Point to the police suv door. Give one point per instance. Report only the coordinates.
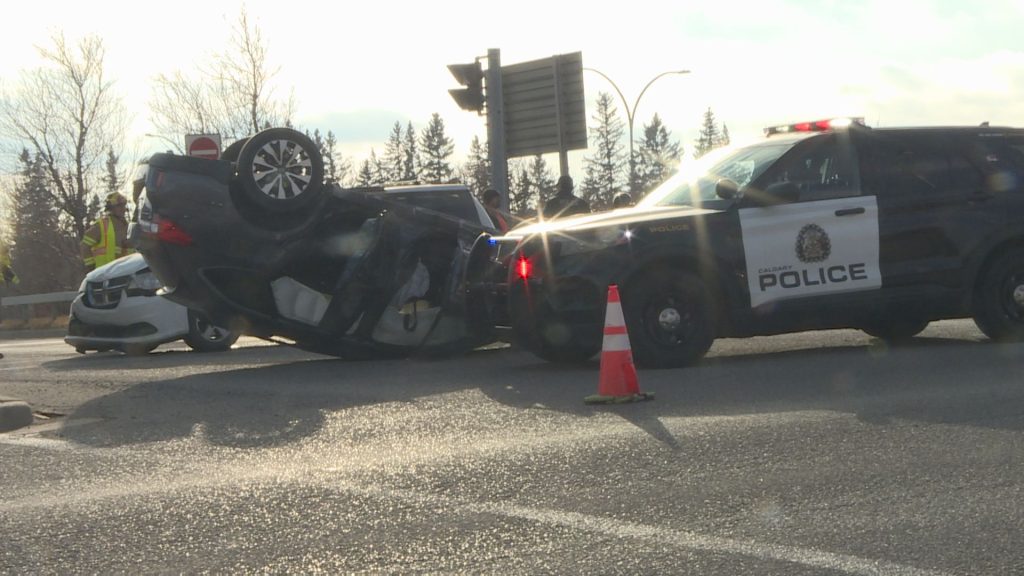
(812, 237)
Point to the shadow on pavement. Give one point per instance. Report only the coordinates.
(930, 380)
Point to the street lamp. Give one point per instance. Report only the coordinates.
(630, 114)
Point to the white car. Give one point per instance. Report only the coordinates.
(117, 308)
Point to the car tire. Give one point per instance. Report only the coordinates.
(668, 318)
(998, 305)
(896, 331)
(232, 152)
(204, 336)
(547, 336)
(281, 170)
(553, 349)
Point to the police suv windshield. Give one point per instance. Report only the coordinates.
(694, 184)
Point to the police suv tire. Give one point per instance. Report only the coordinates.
(998, 305)
(204, 336)
(896, 330)
(668, 316)
(280, 170)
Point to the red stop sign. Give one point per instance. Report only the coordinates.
(204, 147)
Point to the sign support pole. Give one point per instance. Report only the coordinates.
(563, 153)
(496, 127)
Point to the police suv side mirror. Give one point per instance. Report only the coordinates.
(726, 189)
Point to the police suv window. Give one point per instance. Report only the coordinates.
(695, 183)
(919, 170)
(823, 171)
(1001, 158)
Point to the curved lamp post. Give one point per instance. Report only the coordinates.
(631, 112)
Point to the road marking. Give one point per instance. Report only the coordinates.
(665, 536)
(36, 442)
(619, 529)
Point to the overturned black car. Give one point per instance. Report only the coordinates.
(259, 243)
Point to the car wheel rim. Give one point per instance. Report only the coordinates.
(1013, 301)
(209, 332)
(669, 319)
(669, 323)
(282, 169)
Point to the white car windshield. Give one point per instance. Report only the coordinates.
(695, 182)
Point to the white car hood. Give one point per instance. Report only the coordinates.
(124, 266)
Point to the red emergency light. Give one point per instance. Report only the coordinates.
(524, 268)
(815, 126)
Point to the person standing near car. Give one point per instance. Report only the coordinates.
(565, 203)
(107, 239)
(492, 203)
(7, 276)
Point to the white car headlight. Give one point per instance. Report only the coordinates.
(145, 281)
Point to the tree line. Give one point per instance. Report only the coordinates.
(70, 126)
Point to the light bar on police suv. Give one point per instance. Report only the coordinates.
(815, 126)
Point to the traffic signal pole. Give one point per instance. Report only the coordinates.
(496, 127)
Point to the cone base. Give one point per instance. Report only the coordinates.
(602, 399)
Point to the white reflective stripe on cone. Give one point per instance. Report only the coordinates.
(616, 343)
(613, 316)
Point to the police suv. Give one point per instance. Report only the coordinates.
(826, 224)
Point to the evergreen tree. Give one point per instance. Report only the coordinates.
(658, 155)
(45, 257)
(113, 180)
(411, 161)
(391, 165)
(709, 138)
(520, 188)
(723, 139)
(365, 176)
(380, 170)
(543, 181)
(437, 149)
(603, 171)
(370, 171)
(336, 168)
(477, 169)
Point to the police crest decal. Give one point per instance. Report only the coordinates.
(813, 244)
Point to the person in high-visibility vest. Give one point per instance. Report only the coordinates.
(107, 239)
(7, 276)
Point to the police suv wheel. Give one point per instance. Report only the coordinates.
(281, 170)
(668, 318)
(999, 298)
(204, 336)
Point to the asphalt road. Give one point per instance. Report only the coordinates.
(816, 453)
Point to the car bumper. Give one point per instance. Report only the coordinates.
(135, 321)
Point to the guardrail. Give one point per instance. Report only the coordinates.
(51, 304)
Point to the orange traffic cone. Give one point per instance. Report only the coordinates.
(619, 382)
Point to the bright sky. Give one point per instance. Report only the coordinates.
(356, 68)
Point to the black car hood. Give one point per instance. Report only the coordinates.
(627, 216)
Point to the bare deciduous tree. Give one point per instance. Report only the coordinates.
(68, 114)
(233, 98)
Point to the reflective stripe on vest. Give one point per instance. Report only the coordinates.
(107, 250)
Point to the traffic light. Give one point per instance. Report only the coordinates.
(472, 77)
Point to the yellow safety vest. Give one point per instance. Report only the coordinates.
(107, 249)
(7, 275)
